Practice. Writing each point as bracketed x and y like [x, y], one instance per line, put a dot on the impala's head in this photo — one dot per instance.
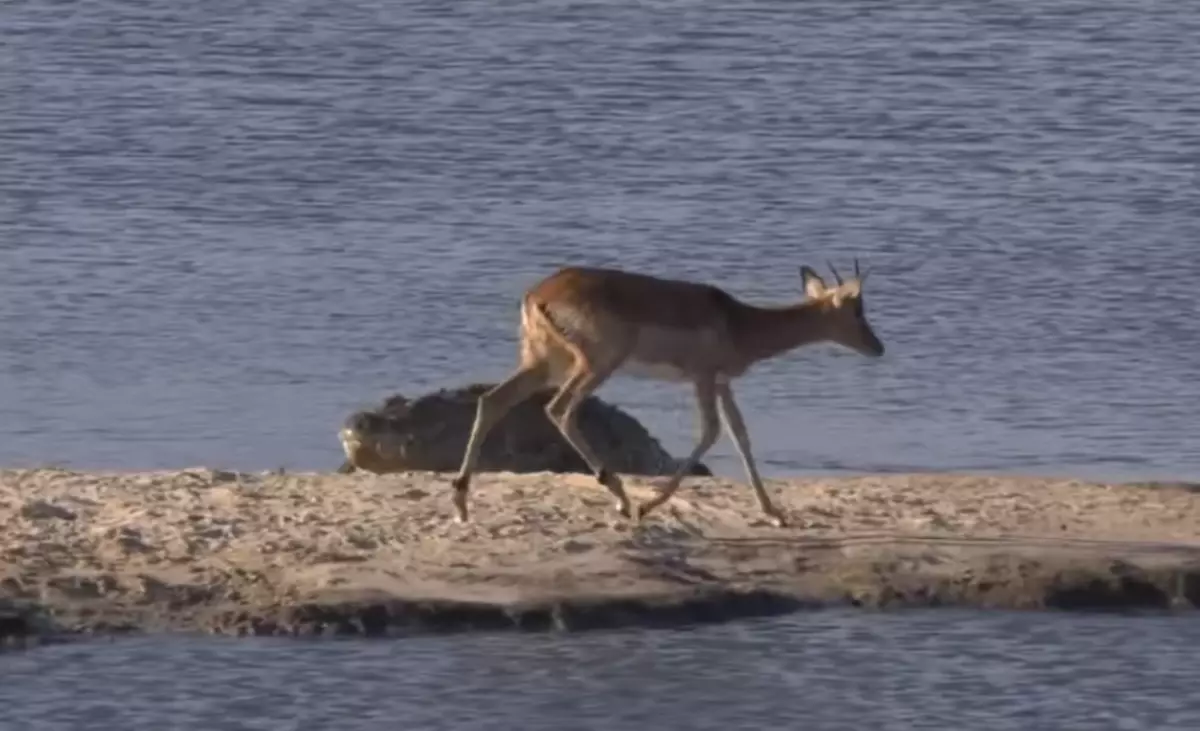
[844, 309]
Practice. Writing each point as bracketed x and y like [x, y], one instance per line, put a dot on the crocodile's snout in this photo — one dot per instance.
[361, 424]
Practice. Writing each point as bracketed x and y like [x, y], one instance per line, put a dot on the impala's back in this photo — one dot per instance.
[641, 324]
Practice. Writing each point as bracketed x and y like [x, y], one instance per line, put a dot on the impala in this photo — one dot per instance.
[581, 325]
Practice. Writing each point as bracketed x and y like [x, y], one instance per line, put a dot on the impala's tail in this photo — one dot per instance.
[539, 329]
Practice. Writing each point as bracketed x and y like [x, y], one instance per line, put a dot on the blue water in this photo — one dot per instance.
[831, 670]
[223, 226]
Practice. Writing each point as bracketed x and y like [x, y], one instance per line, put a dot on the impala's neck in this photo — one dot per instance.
[765, 332]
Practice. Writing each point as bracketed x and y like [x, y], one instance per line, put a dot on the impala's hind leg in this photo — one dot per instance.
[563, 410]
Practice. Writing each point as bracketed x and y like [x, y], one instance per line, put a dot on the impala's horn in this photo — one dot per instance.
[863, 276]
[837, 277]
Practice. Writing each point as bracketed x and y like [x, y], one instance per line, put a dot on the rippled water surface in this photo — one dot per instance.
[224, 225]
[831, 670]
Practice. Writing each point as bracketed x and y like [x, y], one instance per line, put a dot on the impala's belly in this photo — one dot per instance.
[673, 355]
[654, 371]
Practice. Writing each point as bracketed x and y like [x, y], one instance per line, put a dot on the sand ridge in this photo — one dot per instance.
[203, 549]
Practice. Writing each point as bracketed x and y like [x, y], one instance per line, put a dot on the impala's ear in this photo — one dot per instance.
[814, 286]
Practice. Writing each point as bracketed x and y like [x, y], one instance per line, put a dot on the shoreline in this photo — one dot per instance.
[308, 554]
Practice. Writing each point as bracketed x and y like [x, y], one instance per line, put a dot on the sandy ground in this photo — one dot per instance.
[319, 553]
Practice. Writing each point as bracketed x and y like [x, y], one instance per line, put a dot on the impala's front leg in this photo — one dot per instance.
[741, 440]
[710, 428]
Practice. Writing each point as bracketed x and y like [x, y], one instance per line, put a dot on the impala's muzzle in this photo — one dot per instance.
[872, 345]
[868, 343]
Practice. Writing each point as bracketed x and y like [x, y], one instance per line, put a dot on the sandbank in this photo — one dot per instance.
[204, 550]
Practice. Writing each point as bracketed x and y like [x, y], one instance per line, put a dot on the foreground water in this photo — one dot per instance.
[225, 225]
[830, 670]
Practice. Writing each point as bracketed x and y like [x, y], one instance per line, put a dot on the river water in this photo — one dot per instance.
[827, 670]
[224, 225]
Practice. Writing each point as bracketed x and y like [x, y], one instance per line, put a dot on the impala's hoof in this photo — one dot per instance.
[614, 485]
[644, 509]
[460, 499]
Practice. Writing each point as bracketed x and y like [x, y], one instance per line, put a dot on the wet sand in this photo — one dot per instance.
[213, 551]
